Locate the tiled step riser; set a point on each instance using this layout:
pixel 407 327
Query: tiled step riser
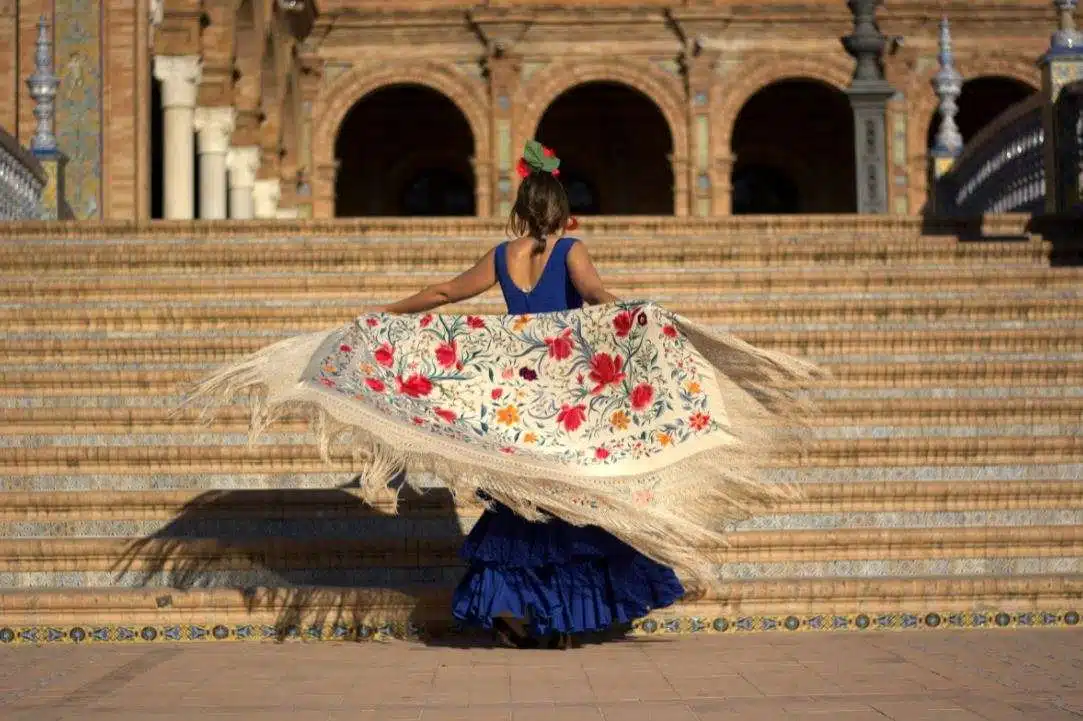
pixel 302 457
pixel 185 348
pixel 446 576
pixel 350 256
pixel 717 284
pixel 299 435
pixel 316 315
pixel 855 376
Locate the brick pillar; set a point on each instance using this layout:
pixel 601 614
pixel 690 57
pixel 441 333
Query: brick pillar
pixel 704 180
pixel 504 73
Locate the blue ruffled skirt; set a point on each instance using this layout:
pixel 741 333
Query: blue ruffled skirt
pixel 556 576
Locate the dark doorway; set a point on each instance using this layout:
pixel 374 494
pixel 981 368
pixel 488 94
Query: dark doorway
pixel 614 145
pixel 404 150
pixel 794 148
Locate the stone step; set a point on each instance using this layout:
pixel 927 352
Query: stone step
pixel 1034 305
pixel 343 504
pixel 626 281
pixel 967 412
pixel 315 315
pixel 166 347
pixel 303 458
pixel 176 552
pixel 357 256
pixel 70 382
pixel 762 604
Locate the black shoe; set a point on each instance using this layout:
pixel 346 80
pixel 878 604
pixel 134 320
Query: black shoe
pixel 508 636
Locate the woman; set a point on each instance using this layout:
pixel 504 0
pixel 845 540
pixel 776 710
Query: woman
pixel 525 580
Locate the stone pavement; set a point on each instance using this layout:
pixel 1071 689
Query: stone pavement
pixel 921 676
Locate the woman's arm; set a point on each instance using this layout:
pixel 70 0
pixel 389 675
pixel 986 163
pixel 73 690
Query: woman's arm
pixel 473 282
pixel 585 277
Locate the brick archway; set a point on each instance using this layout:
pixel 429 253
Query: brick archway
pixel 336 99
pixel 921 102
pixel 665 91
pixel 755 74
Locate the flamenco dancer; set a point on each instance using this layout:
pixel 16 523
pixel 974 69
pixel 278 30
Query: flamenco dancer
pixel 535 583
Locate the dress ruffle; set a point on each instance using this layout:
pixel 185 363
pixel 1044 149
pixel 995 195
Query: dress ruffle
pixel 556 576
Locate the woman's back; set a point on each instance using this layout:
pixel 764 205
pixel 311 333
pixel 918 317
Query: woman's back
pixel 553 289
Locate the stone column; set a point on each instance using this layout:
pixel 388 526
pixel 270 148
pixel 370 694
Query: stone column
pixel 265 197
pixel 869 93
pixel 1062 65
pixel 179 75
pixel 243 163
pixel 214 126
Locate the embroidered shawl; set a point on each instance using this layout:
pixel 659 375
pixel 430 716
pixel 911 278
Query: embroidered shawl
pixel 623 416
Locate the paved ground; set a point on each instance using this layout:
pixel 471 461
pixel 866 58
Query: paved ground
pixel 933 676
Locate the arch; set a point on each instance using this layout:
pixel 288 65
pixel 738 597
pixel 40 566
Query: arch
pixel 337 98
pixel 921 102
pixel 404 150
pixel 772 155
pixel 592 126
pixel 756 73
pixel 535 97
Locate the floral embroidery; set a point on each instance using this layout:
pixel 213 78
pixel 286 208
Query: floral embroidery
pixel 591 387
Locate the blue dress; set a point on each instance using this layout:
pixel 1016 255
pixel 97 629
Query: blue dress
pixel 556 576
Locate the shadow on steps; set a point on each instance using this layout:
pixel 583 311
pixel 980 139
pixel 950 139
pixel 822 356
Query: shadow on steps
pixel 311 558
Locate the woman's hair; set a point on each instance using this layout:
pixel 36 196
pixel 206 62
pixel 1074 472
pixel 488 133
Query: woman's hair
pixel 540 210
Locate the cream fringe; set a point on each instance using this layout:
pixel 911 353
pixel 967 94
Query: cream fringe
pixel 695 498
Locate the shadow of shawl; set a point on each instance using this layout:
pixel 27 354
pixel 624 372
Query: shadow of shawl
pixel 311 558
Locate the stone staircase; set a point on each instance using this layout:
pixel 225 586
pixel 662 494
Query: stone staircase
pixel 944 488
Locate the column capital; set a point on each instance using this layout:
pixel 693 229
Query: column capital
pixel 180 76
pixel 214 125
pixel 243 162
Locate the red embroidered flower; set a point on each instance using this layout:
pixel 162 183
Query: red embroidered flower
pixel 669 332
pixel 474 322
pixel 345 348
pixel 604 370
pixel 372 322
pixel 497 392
pixel 522 168
pixel 446 415
pixel 375 384
pixel 642 395
pixel 415 386
pixel 447 354
pixel 622 323
pixel 571 417
pixel 419 421
pixel 426 320
pixel 528 374
pixel 509 450
pixel 699 421
pixel 560 347
pixel 385 355
pixel 601 453
pixel 327 382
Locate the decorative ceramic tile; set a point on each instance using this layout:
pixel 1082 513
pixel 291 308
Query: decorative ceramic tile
pixel 78 61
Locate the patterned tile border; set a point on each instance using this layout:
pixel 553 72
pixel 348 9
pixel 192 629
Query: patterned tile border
pixel 651 626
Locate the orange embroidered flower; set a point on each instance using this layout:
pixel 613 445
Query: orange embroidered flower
pixel 619 420
pixel 508 415
pixel 530 438
pixel 521 322
pixel 664 439
pixel 693 388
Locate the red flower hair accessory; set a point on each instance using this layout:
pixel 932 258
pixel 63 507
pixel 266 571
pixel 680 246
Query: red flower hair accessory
pixel 538 159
